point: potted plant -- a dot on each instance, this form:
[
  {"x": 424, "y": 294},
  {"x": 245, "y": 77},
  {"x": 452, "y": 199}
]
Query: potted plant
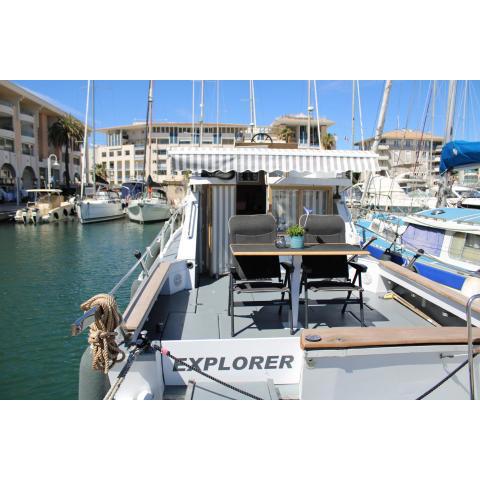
[{"x": 296, "y": 233}]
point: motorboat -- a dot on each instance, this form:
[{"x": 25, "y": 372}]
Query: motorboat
[
  {"x": 45, "y": 206},
  {"x": 464, "y": 197},
  {"x": 415, "y": 338},
  {"x": 105, "y": 205}
]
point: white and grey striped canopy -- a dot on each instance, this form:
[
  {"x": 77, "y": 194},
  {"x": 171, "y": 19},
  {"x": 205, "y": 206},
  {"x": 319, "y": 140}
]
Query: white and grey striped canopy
[{"x": 253, "y": 159}]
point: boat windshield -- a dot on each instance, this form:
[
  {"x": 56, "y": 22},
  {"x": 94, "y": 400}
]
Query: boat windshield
[{"x": 469, "y": 194}]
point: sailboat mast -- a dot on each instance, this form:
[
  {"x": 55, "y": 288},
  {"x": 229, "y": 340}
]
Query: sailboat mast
[
  {"x": 218, "y": 112},
  {"x": 309, "y": 111},
  {"x": 202, "y": 94},
  {"x": 353, "y": 114},
  {"x": 378, "y": 132},
  {"x": 85, "y": 144},
  {"x": 93, "y": 138},
  {"x": 147, "y": 131},
  {"x": 448, "y": 137},
  {"x": 193, "y": 113},
  {"x": 320, "y": 145},
  {"x": 430, "y": 160}
]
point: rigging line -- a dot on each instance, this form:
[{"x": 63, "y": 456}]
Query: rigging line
[
  {"x": 93, "y": 138},
  {"x": 473, "y": 97},
  {"x": 353, "y": 114},
  {"x": 85, "y": 143}
]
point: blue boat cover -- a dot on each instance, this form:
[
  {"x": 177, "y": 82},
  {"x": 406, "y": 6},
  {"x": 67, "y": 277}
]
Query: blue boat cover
[{"x": 458, "y": 154}]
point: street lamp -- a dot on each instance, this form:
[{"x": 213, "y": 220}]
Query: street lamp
[{"x": 51, "y": 158}]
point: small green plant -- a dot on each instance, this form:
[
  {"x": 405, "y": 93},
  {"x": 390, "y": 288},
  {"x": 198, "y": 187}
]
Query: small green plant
[{"x": 295, "y": 231}]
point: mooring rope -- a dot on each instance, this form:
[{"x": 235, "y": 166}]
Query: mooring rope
[{"x": 102, "y": 331}]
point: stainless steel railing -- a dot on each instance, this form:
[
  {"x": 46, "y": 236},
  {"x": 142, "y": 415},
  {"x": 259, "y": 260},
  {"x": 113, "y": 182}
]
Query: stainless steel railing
[
  {"x": 471, "y": 372},
  {"x": 145, "y": 261}
]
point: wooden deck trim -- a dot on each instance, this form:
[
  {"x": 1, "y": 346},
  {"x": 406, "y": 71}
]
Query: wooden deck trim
[
  {"x": 148, "y": 295},
  {"x": 436, "y": 287},
  {"x": 355, "y": 337}
]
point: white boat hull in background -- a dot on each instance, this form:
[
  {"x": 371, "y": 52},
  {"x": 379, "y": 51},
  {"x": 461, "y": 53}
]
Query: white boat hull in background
[
  {"x": 143, "y": 211},
  {"x": 90, "y": 211}
]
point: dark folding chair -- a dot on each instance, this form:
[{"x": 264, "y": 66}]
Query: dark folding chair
[
  {"x": 256, "y": 274},
  {"x": 329, "y": 273}
]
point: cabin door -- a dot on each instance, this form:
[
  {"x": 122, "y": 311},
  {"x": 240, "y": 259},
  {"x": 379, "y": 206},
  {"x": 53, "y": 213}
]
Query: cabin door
[{"x": 251, "y": 193}]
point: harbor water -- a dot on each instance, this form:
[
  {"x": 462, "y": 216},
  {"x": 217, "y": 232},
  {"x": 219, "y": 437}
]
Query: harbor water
[{"x": 46, "y": 272}]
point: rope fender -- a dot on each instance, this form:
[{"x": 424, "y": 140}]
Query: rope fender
[{"x": 102, "y": 331}]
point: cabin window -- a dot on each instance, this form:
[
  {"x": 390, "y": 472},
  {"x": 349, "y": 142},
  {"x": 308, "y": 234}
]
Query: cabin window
[
  {"x": 288, "y": 204},
  {"x": 284, "y": 208},
  {"x": 426, "y": 238},
  {"x": 315, "y": 200},
  {"x": 465, "y": 247}
]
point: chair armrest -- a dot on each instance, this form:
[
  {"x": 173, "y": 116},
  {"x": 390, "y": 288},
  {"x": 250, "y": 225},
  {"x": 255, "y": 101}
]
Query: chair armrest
[
  {"x": 287, "y": 266},
  {"x": 358, "y": 267}
]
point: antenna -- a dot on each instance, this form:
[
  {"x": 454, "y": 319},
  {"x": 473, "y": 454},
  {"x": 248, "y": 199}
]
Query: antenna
[{"x": 309, "y": 110}]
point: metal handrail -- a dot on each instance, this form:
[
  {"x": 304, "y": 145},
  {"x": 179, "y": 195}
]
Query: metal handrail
[
  {"x": 87, "y": 318},
  {"x": 471, "y": 371}
]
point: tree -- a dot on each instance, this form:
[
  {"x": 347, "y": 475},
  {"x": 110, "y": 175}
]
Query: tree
[
  {"x": 101, "y": 171},
  {"x": 328, "y": 141},
  {"x": 286, "y": 133},
  {"x": 63, "y": 133}
]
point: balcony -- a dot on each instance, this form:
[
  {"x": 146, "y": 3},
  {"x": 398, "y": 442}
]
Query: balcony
[
  {"x": 7, "y": 133},
  {"x": 6, "y": 107},
  {"x": 26, "y": 117}
]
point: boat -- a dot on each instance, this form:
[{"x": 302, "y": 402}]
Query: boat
[
  {"x": 175, "y": 336},
  {"x": 45, "y": 205},
  {"x": 150, "y": 205},
  {"x": 105, "y": 205},
  {"x": 180, "y": 337},
  {"x": 464, "y": 197}
]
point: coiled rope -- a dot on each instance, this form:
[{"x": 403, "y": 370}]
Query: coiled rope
[{"x": 102, "y": 331}]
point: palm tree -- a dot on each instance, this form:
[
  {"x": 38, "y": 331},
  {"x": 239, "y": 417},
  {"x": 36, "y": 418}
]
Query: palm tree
[
  {"x": 101, "y": 171},
  {"x": 286, "y": 133},
  {"x": 64, "y": 132},
  {"x": 328, "y": 141}
]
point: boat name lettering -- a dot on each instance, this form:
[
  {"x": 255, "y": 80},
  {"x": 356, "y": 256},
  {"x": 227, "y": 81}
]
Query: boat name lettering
[{"x": 259, "y": 362}]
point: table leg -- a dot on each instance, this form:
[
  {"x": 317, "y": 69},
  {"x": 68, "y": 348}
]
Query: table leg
[{"x": 296, "y": 278}]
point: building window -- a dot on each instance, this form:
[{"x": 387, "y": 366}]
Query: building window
[
  {"x": 162, "y": 152},
  {"x": 104, "y": 154},
  {"x": 161, "y": 172},
  {"x": 110, "y": 154},
  {"x": 7, "y": 144},
  {"x": 119, "y": 153},
  {"x": 27, "y": 149},
  {"x": 164, "y": 141},
  {"x": 127, "y": 152}
]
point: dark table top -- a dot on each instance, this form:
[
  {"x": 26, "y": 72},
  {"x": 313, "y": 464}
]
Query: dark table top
[{"x": 261, "y": 249}]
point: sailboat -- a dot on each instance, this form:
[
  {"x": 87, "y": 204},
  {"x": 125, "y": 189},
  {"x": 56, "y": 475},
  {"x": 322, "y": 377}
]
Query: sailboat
[
  {"x": 151, "y": 204},
  {"x": 104, "y": 204}
]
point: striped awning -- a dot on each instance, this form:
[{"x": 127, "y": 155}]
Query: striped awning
[{"x": 252, "y": 159}]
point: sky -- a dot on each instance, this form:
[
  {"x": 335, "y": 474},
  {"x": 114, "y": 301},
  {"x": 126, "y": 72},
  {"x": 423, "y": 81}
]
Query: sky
[{"x": 121, "y": 102}]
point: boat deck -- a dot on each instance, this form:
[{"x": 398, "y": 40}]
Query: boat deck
[{"x": 202, "y": 314}]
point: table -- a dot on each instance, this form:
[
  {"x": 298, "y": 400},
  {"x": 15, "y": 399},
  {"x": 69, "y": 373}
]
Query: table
[{"x": 320, "y": 249}]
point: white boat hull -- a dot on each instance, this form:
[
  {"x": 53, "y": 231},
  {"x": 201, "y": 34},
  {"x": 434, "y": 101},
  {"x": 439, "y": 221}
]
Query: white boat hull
[
  {"x": 143, "y": 211},
  {"x": 91, "y": 211},
  {"x": 63, "y": 213}
]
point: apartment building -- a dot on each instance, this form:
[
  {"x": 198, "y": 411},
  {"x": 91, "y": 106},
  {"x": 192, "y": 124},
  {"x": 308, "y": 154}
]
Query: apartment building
[
  {"x": 24, "y": 122},
  {"x": 124, "y": 152},
  {"x": 405, "y": 154}
]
